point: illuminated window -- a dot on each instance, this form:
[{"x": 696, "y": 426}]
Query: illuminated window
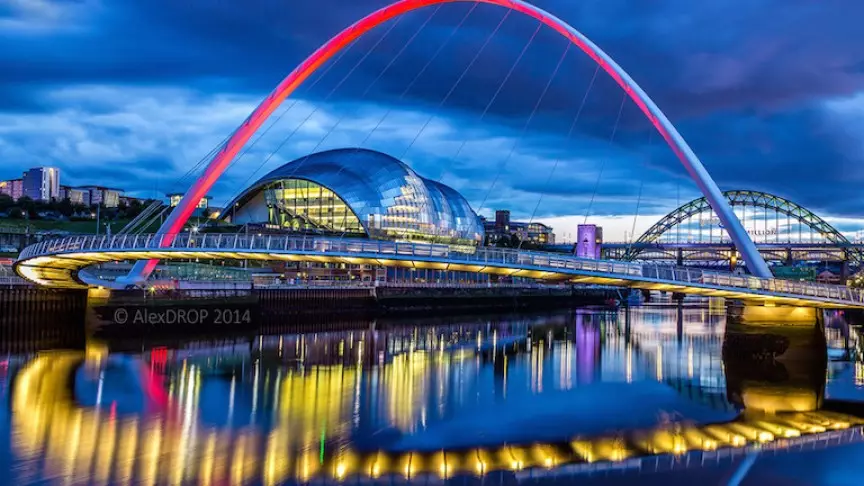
[{"x": 303, "y": 205}]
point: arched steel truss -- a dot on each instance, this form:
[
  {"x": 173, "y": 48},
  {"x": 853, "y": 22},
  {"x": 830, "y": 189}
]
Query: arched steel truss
[{"x": 753, "y": 199}]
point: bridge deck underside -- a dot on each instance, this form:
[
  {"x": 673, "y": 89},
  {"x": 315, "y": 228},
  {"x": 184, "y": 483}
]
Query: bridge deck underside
[{"x": 64, "y": 270}]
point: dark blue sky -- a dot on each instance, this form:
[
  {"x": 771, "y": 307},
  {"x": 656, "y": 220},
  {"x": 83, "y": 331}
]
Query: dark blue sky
[{"x": 769, "y": 93}]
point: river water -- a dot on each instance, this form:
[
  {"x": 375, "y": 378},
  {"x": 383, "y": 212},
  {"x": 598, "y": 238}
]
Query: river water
[{"x": 504, "y": 398}]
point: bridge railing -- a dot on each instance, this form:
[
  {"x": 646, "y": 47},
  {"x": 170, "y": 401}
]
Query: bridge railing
[{"x": 383, "y": 250}]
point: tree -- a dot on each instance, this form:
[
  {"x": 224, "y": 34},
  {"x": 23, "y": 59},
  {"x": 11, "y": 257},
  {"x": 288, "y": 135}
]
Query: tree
[
  {"x": 27, "y": 205},
  {"x": 514, "y": 241},
  {"x": 6, "y": 202},
  {"x": 65, "y": 207}
]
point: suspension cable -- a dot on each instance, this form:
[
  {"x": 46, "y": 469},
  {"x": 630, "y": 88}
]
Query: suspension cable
[
  {"x": 501, "y": 86},
  {"x": 537, "y": 104},
  {"x": 419, "y": 73},
  {"x": 566, "y": 141},
  {"x": 329, "y": 132},
  {"x": 326, "y": 98},
  {"x": 635, "y": 216},
  {"x": 182, "y": 180},
  {"x": 458, "y": 81},
  {"x": 411, "y": 85},
  {"x": 603, "y": 164}
]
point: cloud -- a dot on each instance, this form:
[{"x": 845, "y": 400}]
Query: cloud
[{"x": 137, "y": 92}]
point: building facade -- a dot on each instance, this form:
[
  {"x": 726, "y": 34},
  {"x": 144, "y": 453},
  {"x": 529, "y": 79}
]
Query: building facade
[
  {"x": 589, "y": 241},
  {"x": 13, "y": 188},
  {"x": 75, "y": 196},
  {"x": 42, "y": 184},
  {"x": 104, "y": 196},
  {"x": 174, "y": 200},
  {"x": 130, "y": 200},
  {"x": 502, "y": 231},
  {"x": 357, "y": 192}
]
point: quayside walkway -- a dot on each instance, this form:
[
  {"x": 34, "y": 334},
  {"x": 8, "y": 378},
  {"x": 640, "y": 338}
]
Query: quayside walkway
[{"x": 63, "y": 262}]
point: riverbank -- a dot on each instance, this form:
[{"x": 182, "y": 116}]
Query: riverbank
[{"x": 137, "y": 312}]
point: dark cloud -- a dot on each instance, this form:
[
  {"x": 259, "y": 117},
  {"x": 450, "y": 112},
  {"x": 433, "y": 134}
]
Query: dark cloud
[{"x": 745, "y": 82}]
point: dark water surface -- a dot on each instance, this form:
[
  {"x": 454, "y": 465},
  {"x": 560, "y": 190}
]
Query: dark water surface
[{"x": 453, "y": 400}]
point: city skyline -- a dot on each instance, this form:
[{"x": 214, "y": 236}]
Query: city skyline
[{"x": 748, "y": 108}]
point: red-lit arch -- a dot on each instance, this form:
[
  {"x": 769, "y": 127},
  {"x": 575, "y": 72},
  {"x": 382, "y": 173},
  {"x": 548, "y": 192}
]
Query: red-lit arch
[{"x": 174, "y": 223}]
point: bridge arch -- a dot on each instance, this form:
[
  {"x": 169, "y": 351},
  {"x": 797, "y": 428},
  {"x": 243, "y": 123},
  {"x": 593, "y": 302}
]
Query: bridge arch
[
  {"x": 745, "y": 198},
  {"x": 220, "y": 162}
]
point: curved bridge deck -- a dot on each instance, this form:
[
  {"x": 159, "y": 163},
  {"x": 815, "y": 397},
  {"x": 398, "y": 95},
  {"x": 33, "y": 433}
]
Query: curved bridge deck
[{"x": 58, "y": 263}]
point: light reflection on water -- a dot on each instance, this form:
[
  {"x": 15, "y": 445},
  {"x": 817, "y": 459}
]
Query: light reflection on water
[{"x": 473, "y": 395}]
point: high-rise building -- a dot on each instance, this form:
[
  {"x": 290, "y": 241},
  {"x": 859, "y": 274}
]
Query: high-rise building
[
  {"x": 42, "y": 183},
  {"x": 13, "y": 188}
]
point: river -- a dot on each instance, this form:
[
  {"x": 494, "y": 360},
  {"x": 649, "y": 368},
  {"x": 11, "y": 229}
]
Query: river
[{"x": 662, "y": 394}]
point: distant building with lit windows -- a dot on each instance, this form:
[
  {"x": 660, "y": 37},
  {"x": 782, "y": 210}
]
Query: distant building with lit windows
[
  {"x": 174, "y": 200},
  {"x": 42, "y": 184},
  {"x": 503, "y": 229},
  {"x": 13, "y": 188},
  {"x": 104, "y": 196},
  {"x": 75, "y": 195},
  {"x": 130, "y": 200}
]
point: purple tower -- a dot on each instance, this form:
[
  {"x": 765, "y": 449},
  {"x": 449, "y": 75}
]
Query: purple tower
[{"x": 588, "y": 240}]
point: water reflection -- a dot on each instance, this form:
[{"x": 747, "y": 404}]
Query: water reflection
[{"x": 463, "y": 398}]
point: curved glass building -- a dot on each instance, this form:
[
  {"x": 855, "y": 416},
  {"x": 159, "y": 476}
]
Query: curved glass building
[{"x": 357, "y": 192}]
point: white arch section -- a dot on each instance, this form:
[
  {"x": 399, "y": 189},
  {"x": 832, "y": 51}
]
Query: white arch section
[{"x": 174, "y": 223}]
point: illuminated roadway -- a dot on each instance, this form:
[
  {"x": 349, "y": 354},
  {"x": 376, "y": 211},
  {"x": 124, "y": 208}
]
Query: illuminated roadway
[{"x": 63, "y": 262}]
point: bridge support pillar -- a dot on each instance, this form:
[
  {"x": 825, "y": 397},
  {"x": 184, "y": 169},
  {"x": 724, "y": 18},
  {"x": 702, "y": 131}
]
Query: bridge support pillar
[
  {"x": 790, "y": 316},
  {"x": 775, "y": 367},
  {"x": 679, "y": 258}
]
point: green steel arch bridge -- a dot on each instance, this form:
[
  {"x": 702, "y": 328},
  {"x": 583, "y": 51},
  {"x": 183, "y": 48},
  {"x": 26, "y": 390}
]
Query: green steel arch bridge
[{"x": 784, "y": 232}]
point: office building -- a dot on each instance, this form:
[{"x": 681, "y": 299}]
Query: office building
[
  {"x": 104, "y": 196},
  {"x": 504, "y": 229},
  {"x": 13, "y": 188},
  {"x": 42, "y": 184},
  {"x": 75, "y": 196}
]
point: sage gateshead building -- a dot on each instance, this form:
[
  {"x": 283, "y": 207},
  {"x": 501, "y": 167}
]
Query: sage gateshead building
[{"x": 361, "y": 193}]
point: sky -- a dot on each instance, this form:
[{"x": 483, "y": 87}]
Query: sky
[{"x": 134, "y": 94}]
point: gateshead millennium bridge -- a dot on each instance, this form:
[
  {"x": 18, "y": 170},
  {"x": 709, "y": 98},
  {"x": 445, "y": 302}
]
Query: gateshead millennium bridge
[{"x": 64, "y": 262}]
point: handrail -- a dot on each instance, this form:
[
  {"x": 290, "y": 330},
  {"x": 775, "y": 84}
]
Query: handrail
[{"x": 535, "y": 260}]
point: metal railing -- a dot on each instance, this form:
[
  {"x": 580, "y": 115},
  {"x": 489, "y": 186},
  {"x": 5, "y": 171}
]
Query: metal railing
[
  {"x": 17, "y": 281},
  {"x": 484, "y": 256}
]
